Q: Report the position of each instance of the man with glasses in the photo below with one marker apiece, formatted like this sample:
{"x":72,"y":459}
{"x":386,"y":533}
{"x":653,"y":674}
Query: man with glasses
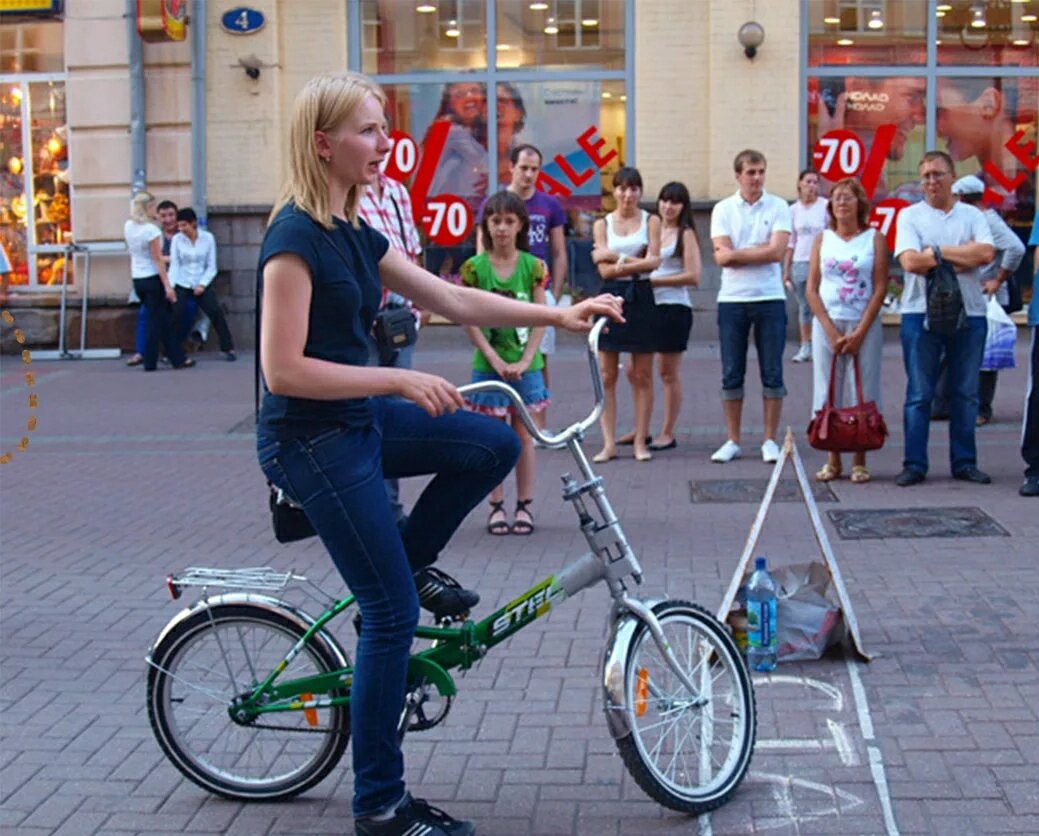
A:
{"x":941,"y":226}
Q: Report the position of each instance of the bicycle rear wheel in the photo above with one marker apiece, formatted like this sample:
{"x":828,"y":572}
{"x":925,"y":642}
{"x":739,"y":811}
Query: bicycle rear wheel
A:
{"x":688,"y":751}
{"x":223,"y":652}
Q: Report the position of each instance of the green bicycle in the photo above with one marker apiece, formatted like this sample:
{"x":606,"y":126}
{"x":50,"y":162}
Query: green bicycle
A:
{"x":249,"y":696}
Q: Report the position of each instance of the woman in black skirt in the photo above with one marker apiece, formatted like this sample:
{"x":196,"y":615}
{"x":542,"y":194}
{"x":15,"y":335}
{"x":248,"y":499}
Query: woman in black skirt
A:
{"x":620,"y":253}
{"x":679,"y":251}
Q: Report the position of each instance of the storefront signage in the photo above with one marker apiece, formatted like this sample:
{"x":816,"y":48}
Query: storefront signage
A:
{"x":30,"y":7}
{"x":242,"y":21}
{"x":447,"y":218}
{"x":1025,"y":153}
{"x":883,"y":215}
{"x":162,"y":20}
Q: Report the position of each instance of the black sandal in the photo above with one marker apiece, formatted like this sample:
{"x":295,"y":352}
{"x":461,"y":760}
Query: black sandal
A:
{"x":523,"y":527}
{"x":499,"y":528}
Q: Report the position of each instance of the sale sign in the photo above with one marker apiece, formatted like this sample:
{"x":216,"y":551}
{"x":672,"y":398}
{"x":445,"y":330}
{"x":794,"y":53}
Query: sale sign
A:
{"x":839,"y":154}
{"x":884,"y":215}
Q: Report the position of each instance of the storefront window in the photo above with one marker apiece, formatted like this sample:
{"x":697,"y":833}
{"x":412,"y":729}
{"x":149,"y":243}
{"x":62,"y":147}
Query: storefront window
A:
{"x":977,"y":122}
{"x":34,"y":190}
{"x":989,"y":33}
{"x":867,"y":32}
{"x":403,"y":36}
{"x":32,"y":47}
{"x":561,"y":34}
{"x":887,"y":117}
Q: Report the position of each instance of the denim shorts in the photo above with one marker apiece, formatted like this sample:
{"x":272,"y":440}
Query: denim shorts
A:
{"x":767,"y":321}
{"x":530,"y":387}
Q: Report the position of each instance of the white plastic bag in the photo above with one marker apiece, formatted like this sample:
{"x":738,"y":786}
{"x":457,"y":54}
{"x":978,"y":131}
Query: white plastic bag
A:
{"x":807,"y":620}
{"x":999,"y":339}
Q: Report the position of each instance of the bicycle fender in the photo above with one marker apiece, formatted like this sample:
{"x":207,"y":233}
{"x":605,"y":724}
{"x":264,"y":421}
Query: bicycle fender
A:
{"x":264,"y":602}
{"x":614,"y":672}
{"x":421,"y":668}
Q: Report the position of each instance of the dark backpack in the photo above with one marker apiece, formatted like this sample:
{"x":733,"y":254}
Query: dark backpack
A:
{"x":945,"y":311}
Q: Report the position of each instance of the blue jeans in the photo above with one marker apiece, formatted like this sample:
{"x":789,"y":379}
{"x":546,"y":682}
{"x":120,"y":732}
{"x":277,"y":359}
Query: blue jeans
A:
{"x":922,"y":355}
{"x":403,"y":360}
{"x":337,"y":476}
{"x":735,"y":320}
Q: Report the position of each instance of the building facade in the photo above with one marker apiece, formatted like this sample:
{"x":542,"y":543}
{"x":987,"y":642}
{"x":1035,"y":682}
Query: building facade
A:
{"x":857,"y":87}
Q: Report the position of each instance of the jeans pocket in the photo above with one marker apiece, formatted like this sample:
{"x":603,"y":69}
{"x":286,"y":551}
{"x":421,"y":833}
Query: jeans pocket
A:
{"x":315,"y":442}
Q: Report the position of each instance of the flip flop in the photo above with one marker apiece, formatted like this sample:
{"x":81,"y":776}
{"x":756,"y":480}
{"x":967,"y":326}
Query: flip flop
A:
{"x":671,"y":445}
{"x":499,"y":528}
{"x":523,"y":527}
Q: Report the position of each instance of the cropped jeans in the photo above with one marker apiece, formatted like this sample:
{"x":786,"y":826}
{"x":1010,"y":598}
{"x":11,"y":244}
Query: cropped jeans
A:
{"x":337,"y":476}
{"x":922,"y":355}
{"x":735,"y":321}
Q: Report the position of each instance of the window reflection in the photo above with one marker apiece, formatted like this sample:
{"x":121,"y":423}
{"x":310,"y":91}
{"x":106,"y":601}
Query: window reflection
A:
{"x":988,"y":32}
{"x":400,"y":36}
{"x":560,"y":34}
{"x":867,"y":32}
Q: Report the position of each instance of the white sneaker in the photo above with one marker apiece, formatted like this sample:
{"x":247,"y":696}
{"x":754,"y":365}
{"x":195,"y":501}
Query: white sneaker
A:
{"x":770,"y":452}
{"x":727,"y":452}
{"x":804,"y":353}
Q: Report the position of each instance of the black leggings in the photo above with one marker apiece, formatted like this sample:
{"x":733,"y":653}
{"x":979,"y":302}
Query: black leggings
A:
{"x":159,"y":324}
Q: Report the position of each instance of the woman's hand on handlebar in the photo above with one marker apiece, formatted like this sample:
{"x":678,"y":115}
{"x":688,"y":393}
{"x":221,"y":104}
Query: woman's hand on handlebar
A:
{"x":581,"y":317}
{"x":432,"y":393}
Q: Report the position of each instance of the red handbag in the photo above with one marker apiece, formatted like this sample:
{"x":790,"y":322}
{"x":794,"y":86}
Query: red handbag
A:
{"x":850,"y":429}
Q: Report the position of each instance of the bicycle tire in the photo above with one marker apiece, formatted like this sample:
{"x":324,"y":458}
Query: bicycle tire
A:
{"x":188,"y":700}
{"x":707,"y":654}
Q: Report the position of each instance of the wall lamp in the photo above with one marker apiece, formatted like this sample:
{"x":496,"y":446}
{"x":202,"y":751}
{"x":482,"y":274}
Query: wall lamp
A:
{"x":751,"y":36}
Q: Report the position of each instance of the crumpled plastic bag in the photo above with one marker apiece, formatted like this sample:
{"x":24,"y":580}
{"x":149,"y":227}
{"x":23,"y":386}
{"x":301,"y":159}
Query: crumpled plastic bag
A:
{"x":1000,"y":338}
{"x":807,"y":620}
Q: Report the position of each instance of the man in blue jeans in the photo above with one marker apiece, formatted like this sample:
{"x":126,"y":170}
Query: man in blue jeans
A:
{"x":940,"y":225}
{"x":1030,"y":427}
{"x":750,"y":231}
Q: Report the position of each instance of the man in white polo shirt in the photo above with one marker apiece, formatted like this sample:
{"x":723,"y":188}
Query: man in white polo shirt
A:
{"x":750,"y":231}
{"x":958,"y":232}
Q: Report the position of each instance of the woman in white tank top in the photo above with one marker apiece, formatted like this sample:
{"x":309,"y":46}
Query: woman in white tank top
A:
{"x":620,"y":253}
{"x":847,"y":280}
{"x":679,"y":251}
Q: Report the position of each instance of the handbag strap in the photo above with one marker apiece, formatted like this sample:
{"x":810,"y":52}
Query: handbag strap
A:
{"x":832,"y":396}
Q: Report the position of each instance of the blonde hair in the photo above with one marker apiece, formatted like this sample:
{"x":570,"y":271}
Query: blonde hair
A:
{"x":321,"y":105}
{"x":139,"y":207}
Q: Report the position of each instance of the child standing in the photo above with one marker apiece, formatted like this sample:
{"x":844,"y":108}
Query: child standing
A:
{"x":511,"y":355}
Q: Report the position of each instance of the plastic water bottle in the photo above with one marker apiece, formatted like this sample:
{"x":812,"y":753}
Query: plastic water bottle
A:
{"x":761,"y":619}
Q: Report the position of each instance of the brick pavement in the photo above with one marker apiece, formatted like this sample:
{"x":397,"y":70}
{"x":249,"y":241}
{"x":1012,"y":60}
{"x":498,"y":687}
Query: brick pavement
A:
{"x":131,"y":476}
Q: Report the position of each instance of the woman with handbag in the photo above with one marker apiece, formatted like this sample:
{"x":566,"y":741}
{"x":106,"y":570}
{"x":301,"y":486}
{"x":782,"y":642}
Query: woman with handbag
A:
{"x":847,"y":281}
{"x":331,"y":427}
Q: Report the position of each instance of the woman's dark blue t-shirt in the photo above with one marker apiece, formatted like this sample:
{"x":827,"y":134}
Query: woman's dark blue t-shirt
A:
{"x":345,"y":294}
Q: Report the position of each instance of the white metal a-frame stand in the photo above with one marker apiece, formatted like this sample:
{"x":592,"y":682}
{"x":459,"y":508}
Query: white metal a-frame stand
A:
{"x":789,"y":453}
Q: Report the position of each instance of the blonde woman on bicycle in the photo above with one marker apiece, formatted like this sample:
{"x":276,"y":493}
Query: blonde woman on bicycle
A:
{"x":331,"y":427}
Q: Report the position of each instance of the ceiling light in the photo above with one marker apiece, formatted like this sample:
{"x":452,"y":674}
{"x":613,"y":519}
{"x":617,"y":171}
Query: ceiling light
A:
{"x":1029,"y":18}
{"x":1018,"y":1}
{"x":939,"y":13}
{"x":503,"y":47}
{"x":831,"y":21}
{"x":552,"y":30}
{"x":453,"y":32}
{"x":944,"y":7}
{"x":425,"y":8}
{"x":1021,"y":42}
{"x":624,"y":98}
{"x":845,"y":42}
{"x":938,"y":42}
{"x":977,"y":12}
{"x":606,"y":94}
{"x":590,"y":22}
{"x":876,"y":20}
{"x":538,"y":7}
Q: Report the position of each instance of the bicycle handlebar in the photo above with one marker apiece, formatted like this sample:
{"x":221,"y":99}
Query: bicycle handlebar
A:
{"x":540,"y":436}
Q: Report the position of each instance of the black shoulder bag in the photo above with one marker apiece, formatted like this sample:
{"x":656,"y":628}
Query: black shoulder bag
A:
{"x":394,"y":327}
{"x":945,"y":311}
{"x":288,"y":519}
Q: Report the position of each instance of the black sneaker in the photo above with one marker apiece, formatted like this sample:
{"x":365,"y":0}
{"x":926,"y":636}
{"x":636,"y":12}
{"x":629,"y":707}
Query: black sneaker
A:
{"x":442,"y":595}
{"x":414,"y":817}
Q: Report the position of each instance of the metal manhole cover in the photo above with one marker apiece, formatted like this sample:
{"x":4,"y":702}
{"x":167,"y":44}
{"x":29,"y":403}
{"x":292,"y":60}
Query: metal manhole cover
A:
{"x":753,"y":490}
{"x":915,"y":522}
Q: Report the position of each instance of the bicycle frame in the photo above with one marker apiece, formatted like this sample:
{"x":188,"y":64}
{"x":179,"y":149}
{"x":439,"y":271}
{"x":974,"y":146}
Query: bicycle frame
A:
{"x":609,"y":560}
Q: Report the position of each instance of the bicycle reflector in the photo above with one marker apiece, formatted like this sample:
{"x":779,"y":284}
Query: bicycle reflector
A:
{"x":642,"y":693}
{"x":172,"y":587}
{"x":309,"y":713}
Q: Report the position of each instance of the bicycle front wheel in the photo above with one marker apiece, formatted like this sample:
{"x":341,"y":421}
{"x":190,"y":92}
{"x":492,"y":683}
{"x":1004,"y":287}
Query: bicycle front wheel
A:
{"x":223,"y":652}
{"x":688,"y":751}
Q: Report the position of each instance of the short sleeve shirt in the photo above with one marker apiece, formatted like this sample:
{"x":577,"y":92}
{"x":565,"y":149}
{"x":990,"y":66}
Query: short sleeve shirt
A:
{"x":508,"y":343}
{"x":343,"y":263}
{"x":546,"y":213}
{"x":138,"y":242}
{"x":921,"y":226}
{"x":750,"y":225}
{"x":806,"y":223}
